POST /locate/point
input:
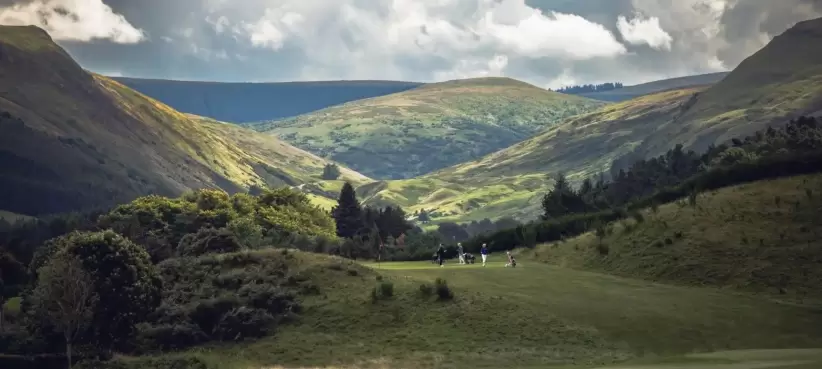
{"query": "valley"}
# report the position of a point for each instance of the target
(206, 225)
(430, 127)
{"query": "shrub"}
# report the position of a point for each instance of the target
(208, 240)
(603, 249)
(172, 336)
(444, 292)
(426, 290)
(244, 322)
(386, 289)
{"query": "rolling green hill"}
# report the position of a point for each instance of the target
(431, 127)
(630, 92)
(74, 140)
(251, 102)
(510, 182)
(499, 317)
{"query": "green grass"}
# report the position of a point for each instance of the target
(761, 237)
(512, 181)
(534, 316)
(780, 81)
(406, 134)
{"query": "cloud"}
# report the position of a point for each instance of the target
(450, 37)
(545, 42)
(72, 20)
(639, 31)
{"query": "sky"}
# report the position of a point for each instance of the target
(549, 43)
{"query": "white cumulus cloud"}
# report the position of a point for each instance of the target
(647, 31)
(72, 20)
(451, 37)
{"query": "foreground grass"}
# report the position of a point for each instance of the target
(533, 316)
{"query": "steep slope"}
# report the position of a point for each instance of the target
(761, 237)
(630, 92)
(251, 102)
(73, 140)
(511, 181)
(430, 127)
(784, 79)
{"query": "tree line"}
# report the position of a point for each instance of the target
(589, 88)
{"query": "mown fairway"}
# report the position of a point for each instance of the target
(538, 316)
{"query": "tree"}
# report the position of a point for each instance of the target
(65, 297)
(331, 172)
(125, 281)
(423, 216)
(348, 213)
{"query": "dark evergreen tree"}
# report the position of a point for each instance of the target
(348, 214)
(331, 172)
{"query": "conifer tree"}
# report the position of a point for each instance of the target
(348, 213)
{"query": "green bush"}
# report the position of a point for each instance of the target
(386, 289)
(426, 290)
(444, 292)
(208, 240)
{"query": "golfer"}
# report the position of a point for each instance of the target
(461, 253)
(441, 255)
(484, 252)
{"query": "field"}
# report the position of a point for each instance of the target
(533, 316)
(414, 132)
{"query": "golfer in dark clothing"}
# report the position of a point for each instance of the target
(441, 254)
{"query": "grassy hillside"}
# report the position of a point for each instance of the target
(414, 132)
(784, 79)
(502, 317)
(251, 102)
(510, 182)
(630, 92)
(75, 140)
(759, 237)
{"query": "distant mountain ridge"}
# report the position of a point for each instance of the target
(406, 134)
(629, 92)
(239, 102)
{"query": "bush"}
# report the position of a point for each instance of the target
(444, 293)
(244, 322)
(172, 337)
(603, 249)
(207, 241)
(426, 290)
(386, 289)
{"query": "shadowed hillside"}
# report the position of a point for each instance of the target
(428, 128)
(74, 140)
(250, 102)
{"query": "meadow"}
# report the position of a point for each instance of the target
(536, 315)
